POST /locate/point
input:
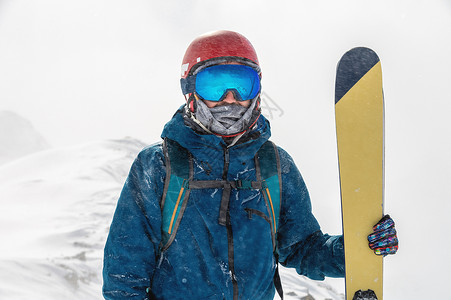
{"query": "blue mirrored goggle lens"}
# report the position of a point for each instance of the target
(214, 82)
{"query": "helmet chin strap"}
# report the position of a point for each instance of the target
(193, 118)
(189, 98)
(190, 111)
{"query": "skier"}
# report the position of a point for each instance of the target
(211, 211)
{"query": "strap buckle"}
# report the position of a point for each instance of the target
(243, 184)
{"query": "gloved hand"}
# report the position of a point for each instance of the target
(384, 240)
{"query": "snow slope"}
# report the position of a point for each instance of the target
(53, 234)
(55, 209)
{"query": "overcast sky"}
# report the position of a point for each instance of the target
(97, 69)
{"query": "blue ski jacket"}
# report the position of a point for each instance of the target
(207, 260)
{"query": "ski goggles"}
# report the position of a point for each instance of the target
(213, 83)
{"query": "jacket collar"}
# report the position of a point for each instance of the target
(180, 130)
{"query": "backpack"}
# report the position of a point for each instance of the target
(179, 183)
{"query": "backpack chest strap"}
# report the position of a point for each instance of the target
(226, 187)
(219, 184)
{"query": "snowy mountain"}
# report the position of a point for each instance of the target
(53, 235)
(18, 137)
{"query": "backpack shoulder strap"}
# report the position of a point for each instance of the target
(179, 169)
(267, 163)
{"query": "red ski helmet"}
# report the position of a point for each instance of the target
(217, 47)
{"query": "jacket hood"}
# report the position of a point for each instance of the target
(197, 143)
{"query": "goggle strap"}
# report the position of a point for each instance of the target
(224, 59)
(188, 84)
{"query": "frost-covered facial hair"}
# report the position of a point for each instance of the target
(225, 119)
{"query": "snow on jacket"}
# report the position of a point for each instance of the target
(197, 264)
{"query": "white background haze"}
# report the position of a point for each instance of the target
(91, 70)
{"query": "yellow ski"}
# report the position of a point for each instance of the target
(359, 116)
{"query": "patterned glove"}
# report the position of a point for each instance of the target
(383, 240)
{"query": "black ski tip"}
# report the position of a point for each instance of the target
(353, 65)
(364, 295)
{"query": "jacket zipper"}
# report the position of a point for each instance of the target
(226, 163)
(229, 230)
